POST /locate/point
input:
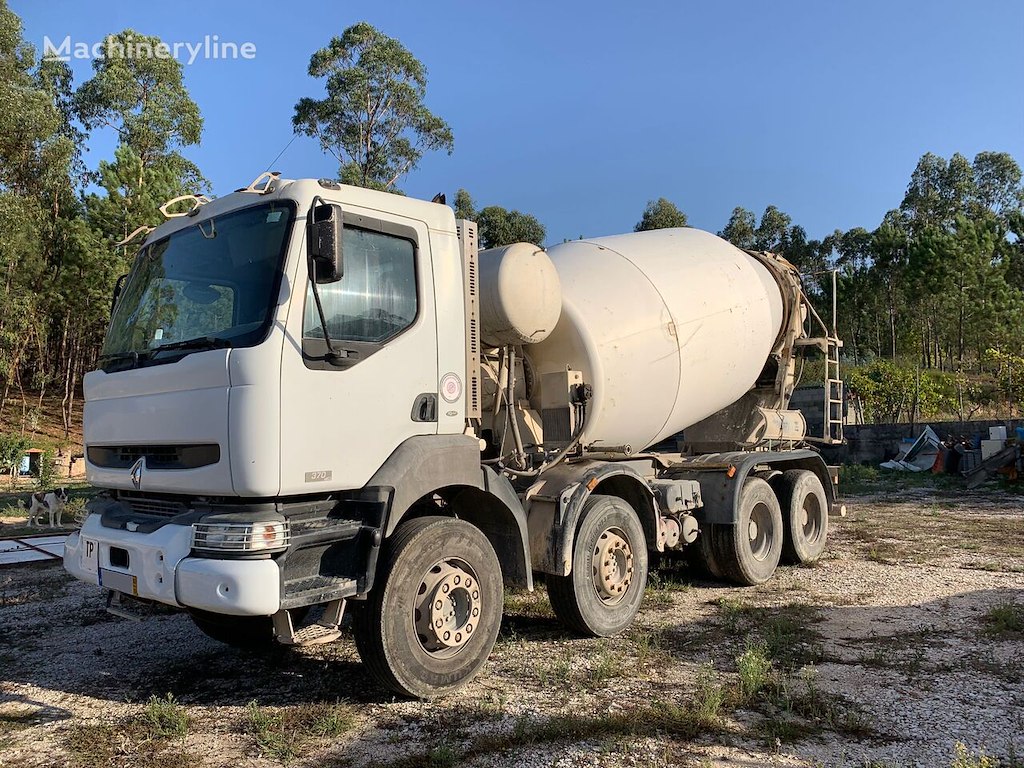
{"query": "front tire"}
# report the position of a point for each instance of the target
(431, 622)
(748, 552)
(804, 515)
(602, 594)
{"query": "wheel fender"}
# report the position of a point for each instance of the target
(555, 509)
(721, 477)
(421, 465)
(449, 465)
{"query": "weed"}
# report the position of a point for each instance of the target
(876, 658)
(708, 697)
(1004, 619)
(681, 721)
(606, 666)
(649, 645)
(165, 718)
(283, 733)
(965, 758)
(97, 745)
(755, 670)
(520, 602)
(733, 613)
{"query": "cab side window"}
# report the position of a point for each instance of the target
(375, 300)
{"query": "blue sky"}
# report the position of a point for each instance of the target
(580, 112)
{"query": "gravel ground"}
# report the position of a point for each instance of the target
(905, 640)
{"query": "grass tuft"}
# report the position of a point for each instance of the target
(165, 718)
(284, 733)
(1004, 619)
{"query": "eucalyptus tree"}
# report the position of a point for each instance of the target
(373, 119)
(660, 214)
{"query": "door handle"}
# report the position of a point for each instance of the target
(424, 407)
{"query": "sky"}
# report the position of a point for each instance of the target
(581, 112)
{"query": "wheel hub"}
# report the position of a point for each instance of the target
(759, 532)
(810, 518)
(613, 565)
(447, 607)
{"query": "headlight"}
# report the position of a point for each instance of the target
(242, 538)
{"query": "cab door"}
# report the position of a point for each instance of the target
(344, 413)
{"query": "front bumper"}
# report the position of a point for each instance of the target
(157, 566)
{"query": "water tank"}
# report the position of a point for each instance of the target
(667, 326)
(520, 295)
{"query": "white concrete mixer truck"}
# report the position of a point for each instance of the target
(316, 400)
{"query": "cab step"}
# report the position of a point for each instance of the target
(326, 629)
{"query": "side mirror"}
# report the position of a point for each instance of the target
(323, 241)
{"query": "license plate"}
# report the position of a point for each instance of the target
(89, 555)
(121, 582)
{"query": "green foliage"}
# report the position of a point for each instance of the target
(755, 669)
(965, 758)
(47, 472)
(373, 119)
(12, 449)
(740, 229)
(499, 226)
(141, 97)
(284, 733)
(465, 208)
(890, 392)
(1009, 370)
(1004, 619)
(660, 214)
(165, 718)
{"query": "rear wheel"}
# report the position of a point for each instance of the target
(804, 515)
(431, 622)
(701, 554)
(748, 552)
(602, 594)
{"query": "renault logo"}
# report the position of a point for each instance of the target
(137, 469)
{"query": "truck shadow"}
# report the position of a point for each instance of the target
(72, 646)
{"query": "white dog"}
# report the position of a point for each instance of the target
(51, 502)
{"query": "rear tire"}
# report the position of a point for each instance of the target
(431, 622)
(748, 552)
(701, 554)
(804, 515)
(602, 594)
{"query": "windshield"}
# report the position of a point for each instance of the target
(209, 285)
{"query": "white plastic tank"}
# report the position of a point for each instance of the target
(667, 326)
(520, 295)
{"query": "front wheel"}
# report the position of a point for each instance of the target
(431, 622)
(748, 552)
(602, 594)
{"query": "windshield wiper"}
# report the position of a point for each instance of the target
(115, 357)
(200, 342)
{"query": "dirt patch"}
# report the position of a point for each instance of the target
(905, 641)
